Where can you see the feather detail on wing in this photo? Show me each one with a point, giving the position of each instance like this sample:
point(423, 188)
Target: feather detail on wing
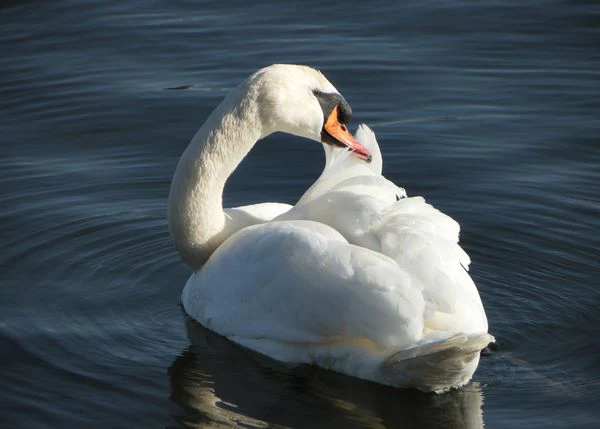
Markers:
point(353, 197)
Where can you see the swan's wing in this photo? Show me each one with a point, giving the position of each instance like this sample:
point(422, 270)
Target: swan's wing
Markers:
point(419, 238)
point(286, 288)
point(258, 213)
point(237, 218)
point(424, 241)
point(372, 212)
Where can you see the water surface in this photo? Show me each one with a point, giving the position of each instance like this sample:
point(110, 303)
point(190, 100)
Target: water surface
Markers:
point(489, 109)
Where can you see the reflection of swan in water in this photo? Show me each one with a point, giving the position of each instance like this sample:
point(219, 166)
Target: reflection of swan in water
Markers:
point(219, 384)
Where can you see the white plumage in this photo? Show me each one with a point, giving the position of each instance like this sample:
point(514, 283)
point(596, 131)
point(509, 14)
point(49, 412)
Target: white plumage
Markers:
point(356, 277)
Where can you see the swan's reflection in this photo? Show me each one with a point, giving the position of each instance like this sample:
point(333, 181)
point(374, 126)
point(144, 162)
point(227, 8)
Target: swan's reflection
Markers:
point(218, 384)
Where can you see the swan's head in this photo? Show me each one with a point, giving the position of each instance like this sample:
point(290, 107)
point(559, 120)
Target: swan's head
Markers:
point(299, 100)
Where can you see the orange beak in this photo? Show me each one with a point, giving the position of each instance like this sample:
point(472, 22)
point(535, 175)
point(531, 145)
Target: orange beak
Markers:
point(336, 133)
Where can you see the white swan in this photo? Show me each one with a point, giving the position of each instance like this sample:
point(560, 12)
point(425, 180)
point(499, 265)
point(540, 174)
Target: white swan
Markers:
point(355, 278)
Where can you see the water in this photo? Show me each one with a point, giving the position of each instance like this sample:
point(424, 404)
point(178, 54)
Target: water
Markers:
point(489, 109)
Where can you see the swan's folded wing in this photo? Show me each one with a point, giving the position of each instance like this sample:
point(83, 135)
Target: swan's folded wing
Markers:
point(300, 284)
point(424, 242)
point(259, 213)
point(372, 212)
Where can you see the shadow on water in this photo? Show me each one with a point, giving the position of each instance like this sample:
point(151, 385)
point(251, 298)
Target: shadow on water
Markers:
point(219, 384)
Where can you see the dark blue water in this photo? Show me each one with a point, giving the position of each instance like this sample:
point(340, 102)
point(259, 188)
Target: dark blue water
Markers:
point(490, 109)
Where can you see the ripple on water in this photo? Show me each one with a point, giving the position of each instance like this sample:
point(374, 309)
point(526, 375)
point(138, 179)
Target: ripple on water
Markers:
point(98, 286)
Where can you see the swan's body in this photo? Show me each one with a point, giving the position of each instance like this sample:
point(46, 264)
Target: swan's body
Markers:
point(355, 277)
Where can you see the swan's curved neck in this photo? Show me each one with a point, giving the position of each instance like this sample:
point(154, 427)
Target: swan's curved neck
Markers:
point(197, 222)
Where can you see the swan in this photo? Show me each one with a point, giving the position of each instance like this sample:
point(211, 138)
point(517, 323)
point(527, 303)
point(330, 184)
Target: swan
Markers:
point(356, 277)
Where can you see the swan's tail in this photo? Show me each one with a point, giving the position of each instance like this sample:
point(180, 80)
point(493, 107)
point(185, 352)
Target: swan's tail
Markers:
point(440, 365)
